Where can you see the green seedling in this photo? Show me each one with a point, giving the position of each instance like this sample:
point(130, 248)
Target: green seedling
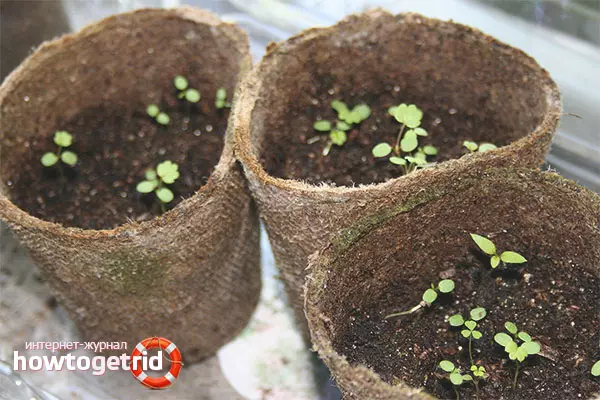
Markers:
point(165, 173)
point(489, 248)
point(596, 369)
point(454, 375)
point(62, 139)
point(429, 296)
point(153, 111)
point(518, 345)
point(469, 332)
point(406, 151)
point(345, 120)
point(190, 94)
point(221, 99)
point(482, 148)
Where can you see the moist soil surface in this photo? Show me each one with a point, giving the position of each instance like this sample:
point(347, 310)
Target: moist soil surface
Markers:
point(557, 306)
point(115, 147)
point(294, 157)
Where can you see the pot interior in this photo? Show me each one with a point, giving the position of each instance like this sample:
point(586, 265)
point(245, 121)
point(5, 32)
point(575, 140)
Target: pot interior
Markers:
point(97, 85)
point(469, 87)
point(555, 296)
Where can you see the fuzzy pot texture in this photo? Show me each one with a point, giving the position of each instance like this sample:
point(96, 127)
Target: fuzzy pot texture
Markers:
point(192, 274)
point(438, 61)
point(425, 233)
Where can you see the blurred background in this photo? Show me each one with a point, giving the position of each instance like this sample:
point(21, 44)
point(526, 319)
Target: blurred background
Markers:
point(269, 360)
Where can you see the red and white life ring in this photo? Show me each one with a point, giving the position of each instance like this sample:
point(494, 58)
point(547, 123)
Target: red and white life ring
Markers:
point(174, 355)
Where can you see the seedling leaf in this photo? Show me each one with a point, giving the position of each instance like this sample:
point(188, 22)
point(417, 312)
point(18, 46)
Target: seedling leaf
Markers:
point(485, 244)
point(456, 320)
point(456, 378)
point(168, 171)
point(322, 126)
point(483, 147)
point(495, 261)
point(446, 285)
point(471, 146)
point(510, 257)
point(180, 82)
point(420, 131)
point(162, 118)
point(165, 195)
point(477, 314)
point(446, 365)
point(511, 347)
point(362, 111)
point(415, 160)
point(146, 186)
point(338, 137)
point(524, 336)
point(511, 327)
point(49, 159)
point(342, 126)
point(341, 108)
point(408, 115)
point(531, 347)
point(69, 158)
point(192, 95)
point(150, 174)
point(429, 296)
point(409, 141)
point(429, 150)
point(471, 325)
point(398, 160)
point(63, 138)
point(502, 339)
point(381, 150)
point(152, 110)
point(466, 333)
point(596, 369)
point(477, 334)
point(221, 94)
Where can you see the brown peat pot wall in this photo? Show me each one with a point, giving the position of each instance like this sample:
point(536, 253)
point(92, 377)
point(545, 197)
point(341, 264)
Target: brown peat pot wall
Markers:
point(469, 86)
point(385, 262)
point(191, 274)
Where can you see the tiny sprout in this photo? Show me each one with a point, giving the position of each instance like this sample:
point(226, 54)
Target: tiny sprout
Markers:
point(429, 296)
point(454, 375)
point(596, 369)
point(62, 139)
point(166, 172)
point(470, 333)
point(153, 111)
point(346, 118)
point(478, 371)
point(190, 94)
point(482, 148)
point(406, 142)
point(489, 248)
point(516, 352)
point(221, 99)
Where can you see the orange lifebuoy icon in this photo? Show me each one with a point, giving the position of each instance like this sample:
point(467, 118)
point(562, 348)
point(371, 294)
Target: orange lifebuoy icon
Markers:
point(174, 356)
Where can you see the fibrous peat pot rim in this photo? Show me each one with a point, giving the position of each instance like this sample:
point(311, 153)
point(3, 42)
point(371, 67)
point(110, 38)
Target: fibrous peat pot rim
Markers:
point(192, 274)
point(49, 50)
point(300, 217)
point(249, 144)
point(327, 273)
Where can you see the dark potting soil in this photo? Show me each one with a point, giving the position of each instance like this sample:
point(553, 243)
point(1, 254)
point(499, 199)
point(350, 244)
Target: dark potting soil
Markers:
point(114, 148)
point(294, 157)
point(542, 300)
